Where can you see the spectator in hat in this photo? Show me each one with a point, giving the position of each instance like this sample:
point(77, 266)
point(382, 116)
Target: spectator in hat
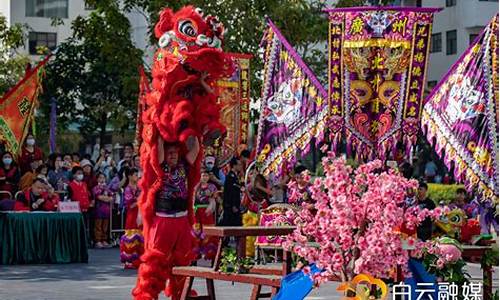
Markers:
point(216, 176)
point(88, 174)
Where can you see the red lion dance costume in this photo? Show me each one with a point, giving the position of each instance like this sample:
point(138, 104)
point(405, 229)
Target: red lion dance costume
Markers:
point(178, 107)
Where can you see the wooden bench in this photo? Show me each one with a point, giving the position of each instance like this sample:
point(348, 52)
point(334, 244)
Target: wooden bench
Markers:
point(258, 276)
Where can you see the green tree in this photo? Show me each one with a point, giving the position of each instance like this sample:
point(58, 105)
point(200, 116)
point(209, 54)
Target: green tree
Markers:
point(12, 63)
point(94, 75)
point(301, 21)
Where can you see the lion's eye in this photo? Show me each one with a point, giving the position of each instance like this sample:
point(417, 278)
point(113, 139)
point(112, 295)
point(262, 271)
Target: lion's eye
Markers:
point(199, 11)
point(186, 27)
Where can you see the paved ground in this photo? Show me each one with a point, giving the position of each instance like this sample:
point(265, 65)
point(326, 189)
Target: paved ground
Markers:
point(104, 278)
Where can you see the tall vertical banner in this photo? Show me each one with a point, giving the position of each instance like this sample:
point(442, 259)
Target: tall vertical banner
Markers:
point(294, 105)
point(234, 99)
point(461, 114)
point(17, 108)
point(144, 88)
point(377, 70)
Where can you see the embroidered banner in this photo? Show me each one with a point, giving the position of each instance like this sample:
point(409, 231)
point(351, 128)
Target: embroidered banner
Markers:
point(377, 69)
point(462, 115)
point(144, 89)
point(234, 98)
point(17, 108)
point(294, 105)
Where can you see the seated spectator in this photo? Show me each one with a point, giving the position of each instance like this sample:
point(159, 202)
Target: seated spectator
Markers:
point(103, 196)
point(9, 175)
point(27, 179)
point(39, 197)
point(29, 153)
point(59, 176)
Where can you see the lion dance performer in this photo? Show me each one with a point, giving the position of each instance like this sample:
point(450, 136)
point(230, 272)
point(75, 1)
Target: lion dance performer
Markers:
point(181, 114)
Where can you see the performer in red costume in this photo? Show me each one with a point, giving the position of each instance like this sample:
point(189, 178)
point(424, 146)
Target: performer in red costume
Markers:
point(181, 111)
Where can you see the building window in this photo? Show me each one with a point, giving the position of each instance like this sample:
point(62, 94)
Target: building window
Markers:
point(431, 84)
point(89, 6)
point(419, 3)
point(451, 42)
point(37, 39)
point(489, 0)
point(436, 44)
point(472, 38)
point(47, 8)
point(451, 3)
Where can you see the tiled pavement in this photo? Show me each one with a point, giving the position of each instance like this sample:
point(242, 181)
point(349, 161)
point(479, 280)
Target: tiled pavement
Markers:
point(103, 278)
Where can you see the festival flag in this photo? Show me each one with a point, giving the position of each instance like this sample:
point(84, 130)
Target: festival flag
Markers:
point(17, 108)
point(461, 114)
point(294, 105)
point(377, 70)
point(234, 99)
point(144, 88)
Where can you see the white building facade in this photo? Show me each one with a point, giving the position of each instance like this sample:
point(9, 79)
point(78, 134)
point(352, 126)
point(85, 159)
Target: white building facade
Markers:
point(454, 29)
point(39, 14)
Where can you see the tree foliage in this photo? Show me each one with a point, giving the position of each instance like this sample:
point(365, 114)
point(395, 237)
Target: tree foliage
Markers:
point(12, 64)
point(94, 75)
point(301, 21)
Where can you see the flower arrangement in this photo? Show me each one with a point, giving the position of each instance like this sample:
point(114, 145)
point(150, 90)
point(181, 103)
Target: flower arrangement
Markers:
point(443, 258)
point(355, 221)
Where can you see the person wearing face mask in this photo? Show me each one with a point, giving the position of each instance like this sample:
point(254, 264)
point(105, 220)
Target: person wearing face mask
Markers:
point(9, 175)
point(215, 174)
point(29, 153)
point(78, 192)
point(39, 197)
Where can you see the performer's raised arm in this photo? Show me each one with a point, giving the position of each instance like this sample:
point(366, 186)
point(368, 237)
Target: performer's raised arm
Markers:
point(161, 149)
point(193, 146)
point(205, 85)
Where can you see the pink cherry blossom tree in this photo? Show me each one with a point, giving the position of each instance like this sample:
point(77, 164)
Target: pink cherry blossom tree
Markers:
point(353, 225)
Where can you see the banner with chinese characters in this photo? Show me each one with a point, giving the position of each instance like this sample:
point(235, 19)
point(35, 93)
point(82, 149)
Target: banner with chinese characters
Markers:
point(294, 105)
point(234, 99)
point(461, 115)
point(144, 89)
point(377, 70)
point(17, 109)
